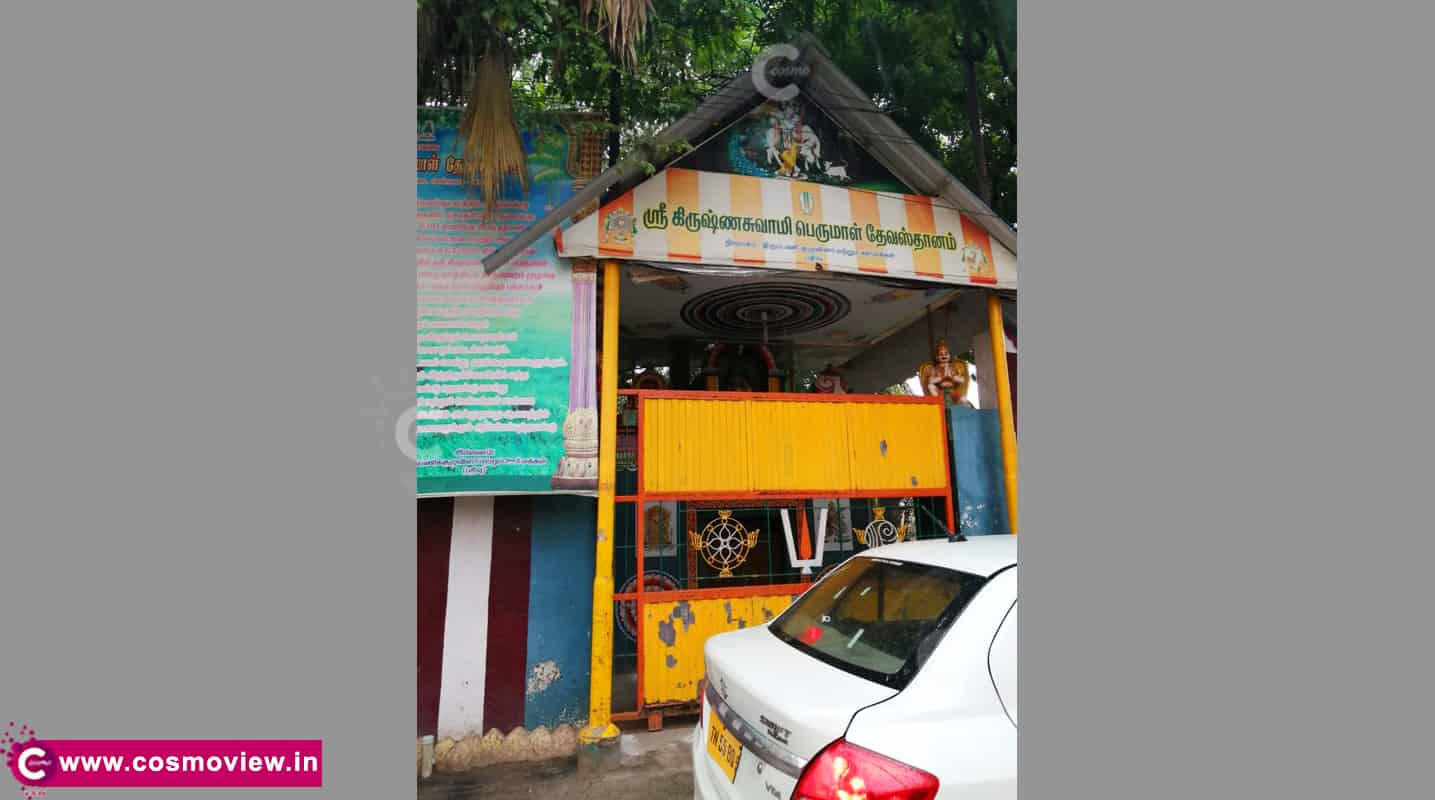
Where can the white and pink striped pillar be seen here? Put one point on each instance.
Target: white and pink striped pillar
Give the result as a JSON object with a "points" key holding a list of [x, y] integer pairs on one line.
{"points": [[578, 469]]}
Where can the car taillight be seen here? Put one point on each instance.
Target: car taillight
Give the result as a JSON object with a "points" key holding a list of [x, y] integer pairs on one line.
{"points": [[843, 770], [702, 698]]}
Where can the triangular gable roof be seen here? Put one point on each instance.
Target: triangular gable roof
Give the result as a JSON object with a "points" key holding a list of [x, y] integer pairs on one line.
{"points": [[830, 89], [794, 138]]}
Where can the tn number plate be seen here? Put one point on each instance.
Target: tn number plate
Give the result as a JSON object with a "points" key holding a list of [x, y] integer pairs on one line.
{"points": [[724, 748]]}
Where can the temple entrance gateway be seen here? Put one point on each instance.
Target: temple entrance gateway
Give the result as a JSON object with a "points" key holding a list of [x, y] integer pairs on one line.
{"points": [[746, 464], [759, 294], [746, 459]]}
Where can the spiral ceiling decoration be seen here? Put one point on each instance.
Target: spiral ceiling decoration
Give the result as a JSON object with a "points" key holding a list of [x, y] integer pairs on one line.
{"points": [[790, 308]]}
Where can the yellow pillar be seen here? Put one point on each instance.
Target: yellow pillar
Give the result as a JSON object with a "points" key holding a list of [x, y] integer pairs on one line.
{"points": [[1003, 383], [600, 689]]}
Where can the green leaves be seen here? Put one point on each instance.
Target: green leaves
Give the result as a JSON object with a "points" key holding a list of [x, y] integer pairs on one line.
{"points": [[906, 54]]}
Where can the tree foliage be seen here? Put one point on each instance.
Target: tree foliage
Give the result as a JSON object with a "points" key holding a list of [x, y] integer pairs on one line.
{"points": [[945, 70]]}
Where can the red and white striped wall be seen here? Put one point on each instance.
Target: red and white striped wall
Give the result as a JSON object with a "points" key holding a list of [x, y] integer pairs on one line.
{"points": [[504, 611]]}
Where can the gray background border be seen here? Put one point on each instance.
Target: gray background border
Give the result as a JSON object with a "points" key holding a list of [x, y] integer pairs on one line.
{"points": [[208, 325], [1225, 283], [203, 227]]}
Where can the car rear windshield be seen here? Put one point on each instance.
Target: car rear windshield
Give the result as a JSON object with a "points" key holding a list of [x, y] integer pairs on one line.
{"points": [[877, 618]]}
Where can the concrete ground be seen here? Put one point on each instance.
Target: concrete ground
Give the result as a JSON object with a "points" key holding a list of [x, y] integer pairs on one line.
{"points": [[654, 766]]}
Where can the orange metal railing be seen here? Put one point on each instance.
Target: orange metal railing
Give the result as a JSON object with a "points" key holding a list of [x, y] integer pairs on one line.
{"points": [[746, 446]]}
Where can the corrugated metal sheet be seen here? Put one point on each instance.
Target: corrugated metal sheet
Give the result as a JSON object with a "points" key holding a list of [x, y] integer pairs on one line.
{"points": [[674, 633], [752, 445]]}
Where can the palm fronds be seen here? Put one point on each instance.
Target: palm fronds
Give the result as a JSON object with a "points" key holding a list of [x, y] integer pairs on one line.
{"points": [[625, 21], [492, 145]]}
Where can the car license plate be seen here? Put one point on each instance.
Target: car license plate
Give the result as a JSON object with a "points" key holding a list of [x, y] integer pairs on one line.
{"points": [[724, 748]]}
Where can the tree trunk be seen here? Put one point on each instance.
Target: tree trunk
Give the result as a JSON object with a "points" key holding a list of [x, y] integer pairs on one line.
{"points": [[1007, 67], [969, 53], [615, 112], [1010, 70]]}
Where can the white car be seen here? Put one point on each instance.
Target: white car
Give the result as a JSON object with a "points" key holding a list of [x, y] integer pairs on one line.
{"points": [[894, 676]]}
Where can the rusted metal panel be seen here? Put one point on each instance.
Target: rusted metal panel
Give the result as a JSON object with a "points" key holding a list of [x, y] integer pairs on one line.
{"points": [[745, 445], [674, 633]]}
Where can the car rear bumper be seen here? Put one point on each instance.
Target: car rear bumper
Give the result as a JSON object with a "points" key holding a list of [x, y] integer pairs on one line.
{"points": [[757, 778], [705, 785]]}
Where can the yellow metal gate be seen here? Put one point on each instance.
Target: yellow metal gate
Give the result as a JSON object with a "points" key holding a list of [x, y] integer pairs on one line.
{"points": [[727, 466]]}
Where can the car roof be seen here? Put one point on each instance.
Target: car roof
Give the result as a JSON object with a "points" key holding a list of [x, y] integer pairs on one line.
{"points": [[977, 555]]}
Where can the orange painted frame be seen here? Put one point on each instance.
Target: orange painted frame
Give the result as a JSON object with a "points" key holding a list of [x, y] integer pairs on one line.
{"points": [[716, 594], [779, 397], [640, 501]]}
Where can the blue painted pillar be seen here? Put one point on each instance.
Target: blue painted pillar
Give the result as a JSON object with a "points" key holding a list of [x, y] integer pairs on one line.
{"points": [[977, 470], [560, 611]]}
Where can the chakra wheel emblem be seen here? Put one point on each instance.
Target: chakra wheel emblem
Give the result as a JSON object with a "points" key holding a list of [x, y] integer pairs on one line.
{"points": [[724, 543], [881, 530]]}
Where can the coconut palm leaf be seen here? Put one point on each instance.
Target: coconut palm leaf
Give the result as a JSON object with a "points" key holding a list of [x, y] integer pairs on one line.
{"points": [[625, 22], [492, 146]]}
